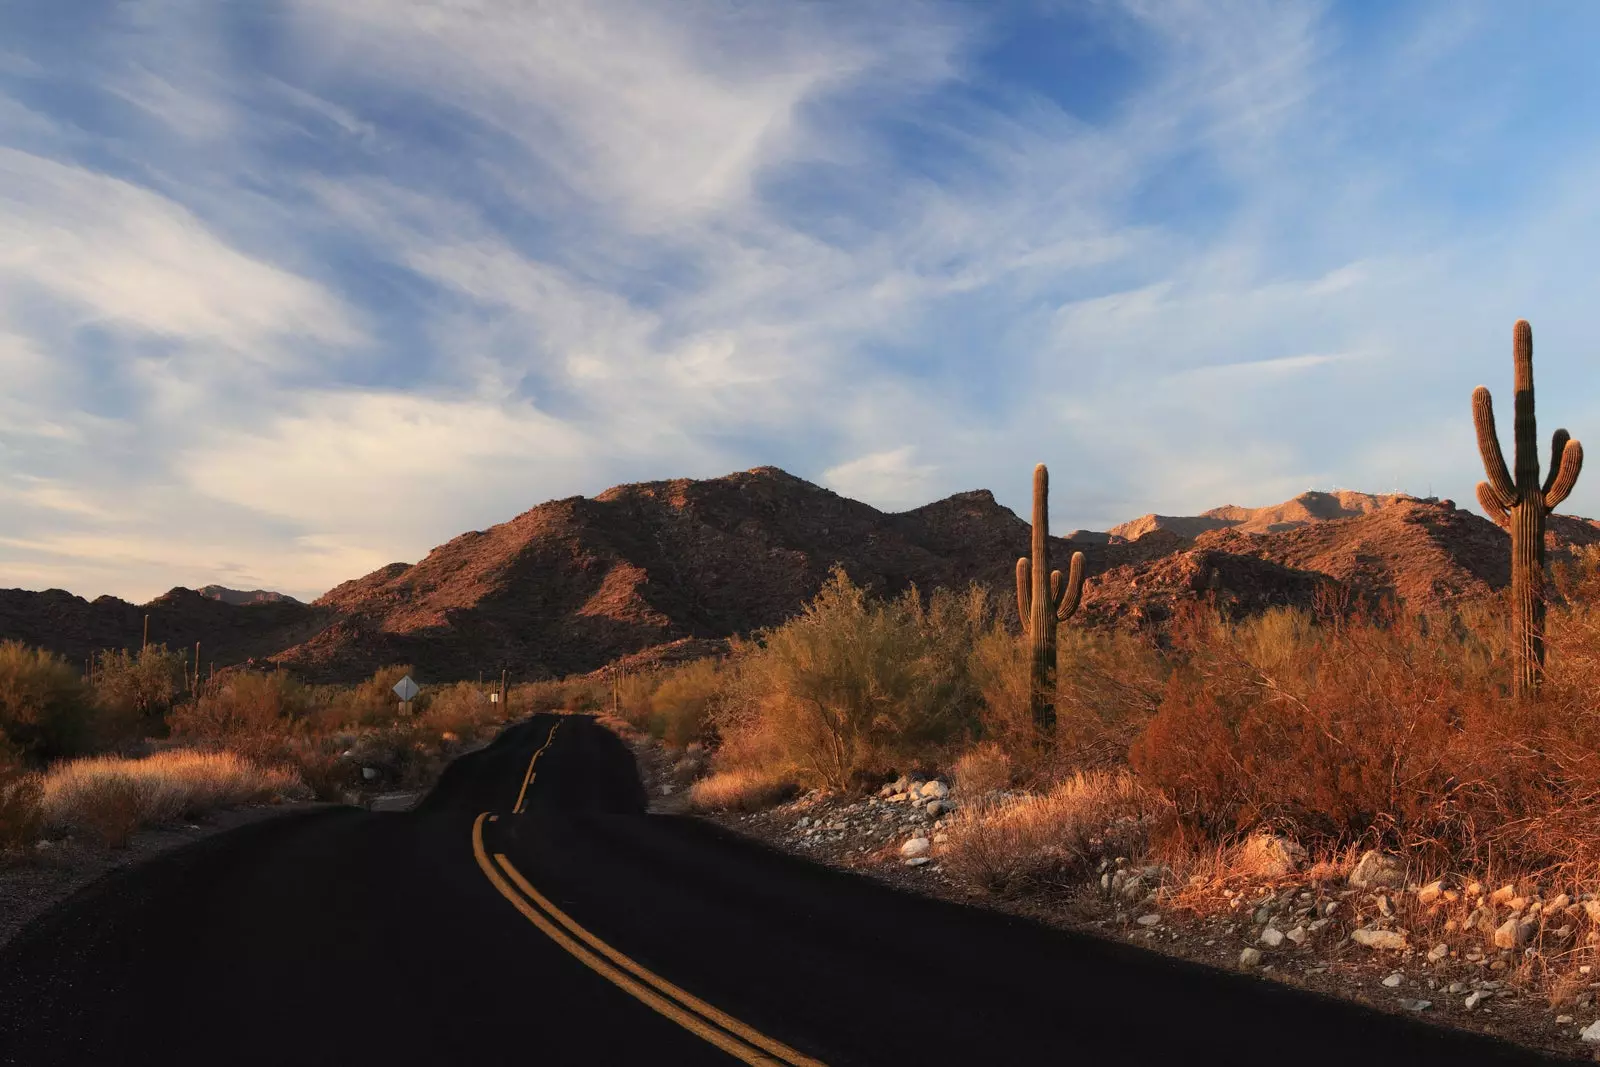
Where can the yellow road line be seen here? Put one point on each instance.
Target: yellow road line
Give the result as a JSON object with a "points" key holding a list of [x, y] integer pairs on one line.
{"points": [[727, 1022], [728, 1043], [528, 777]]}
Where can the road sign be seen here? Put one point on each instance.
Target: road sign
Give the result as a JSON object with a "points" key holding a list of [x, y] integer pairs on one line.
{"points": [[406, 689]]}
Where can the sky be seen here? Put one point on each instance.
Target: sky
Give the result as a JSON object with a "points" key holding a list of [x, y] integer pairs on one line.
{"points": [[293, 289]]}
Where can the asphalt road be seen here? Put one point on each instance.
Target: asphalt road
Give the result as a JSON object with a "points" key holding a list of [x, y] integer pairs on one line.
{"points": [[529, 912]]}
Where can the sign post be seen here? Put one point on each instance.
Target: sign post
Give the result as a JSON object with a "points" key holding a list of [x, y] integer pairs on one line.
{"points": [[407, 691]]}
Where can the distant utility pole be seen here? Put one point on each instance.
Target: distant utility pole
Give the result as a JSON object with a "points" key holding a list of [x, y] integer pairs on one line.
{"points": [[146, 633], [505, 708], [197, 670]]}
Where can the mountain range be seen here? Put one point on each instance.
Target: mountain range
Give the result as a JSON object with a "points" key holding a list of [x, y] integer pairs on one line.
{"points": [[658, 571]]}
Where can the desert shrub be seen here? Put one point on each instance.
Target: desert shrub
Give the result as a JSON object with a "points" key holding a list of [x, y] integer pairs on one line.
{"points": [[849, 685], [370, 703], [243, 705], [1388, 727], [134, 691], [21, 809], [463, 710], [983, 768], [742, 789], [46, 711], [682, 702], [1052, 837], [1108, 686], [112, 797]]}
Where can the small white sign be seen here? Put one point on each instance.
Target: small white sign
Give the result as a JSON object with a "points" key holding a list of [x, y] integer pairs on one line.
{"points": [[494, 698], [406, 689]]}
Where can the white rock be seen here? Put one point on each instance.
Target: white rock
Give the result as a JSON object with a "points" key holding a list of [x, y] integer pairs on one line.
{"points": [[1381, 939], [1148, 920], [1514, 932], [936, 790], [1272, 937], [1415, 1005], [1562, 1020], [1394, 980], [1592, 909], [1438, 952], [935, 808], [1249, 957], [369, 773], [917, 846], [916, 861], [1475, 998], [1376, 869], [1298, 935], [1430, 893]]}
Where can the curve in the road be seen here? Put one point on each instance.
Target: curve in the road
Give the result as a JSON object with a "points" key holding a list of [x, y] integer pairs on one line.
{"points": [[530, 911]]}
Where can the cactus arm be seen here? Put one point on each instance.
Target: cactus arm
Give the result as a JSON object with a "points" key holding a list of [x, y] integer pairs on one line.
{"points": [[1492, 507], [1558, 444], [1494, 462], [1073, 593], [1023, 582], [1566, 476], [1055, 589]]}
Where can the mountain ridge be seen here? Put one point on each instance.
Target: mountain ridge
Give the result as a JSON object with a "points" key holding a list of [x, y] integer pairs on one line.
{"points": [[657, 571]]}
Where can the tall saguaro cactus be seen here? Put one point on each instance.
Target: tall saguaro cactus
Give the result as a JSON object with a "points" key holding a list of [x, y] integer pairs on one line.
{"points": [[1519, 504], [1042, 602]]}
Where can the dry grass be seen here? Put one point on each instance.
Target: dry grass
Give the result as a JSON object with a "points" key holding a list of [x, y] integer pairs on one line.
{"points": [[111, 797], [982, 768], [1052, 837], [740, 790], [21, 813]]}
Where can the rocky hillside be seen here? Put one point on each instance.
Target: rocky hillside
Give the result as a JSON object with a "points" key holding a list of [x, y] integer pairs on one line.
{"points": [[228, 633], [1304, 509], [660, 571]]}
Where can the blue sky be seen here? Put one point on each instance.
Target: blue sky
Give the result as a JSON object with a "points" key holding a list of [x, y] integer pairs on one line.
{"points": [[291, 289]]}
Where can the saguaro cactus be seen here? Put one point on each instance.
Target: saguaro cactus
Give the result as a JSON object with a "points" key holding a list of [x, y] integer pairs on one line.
{"points": [[1520, 504], [1042, 602]]}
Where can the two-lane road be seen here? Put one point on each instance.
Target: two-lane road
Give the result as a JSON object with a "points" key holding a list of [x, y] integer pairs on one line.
{"points": [[531, 912]]}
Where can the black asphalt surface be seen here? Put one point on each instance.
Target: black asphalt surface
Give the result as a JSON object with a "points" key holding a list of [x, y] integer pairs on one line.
{"points": [[346, 937]]}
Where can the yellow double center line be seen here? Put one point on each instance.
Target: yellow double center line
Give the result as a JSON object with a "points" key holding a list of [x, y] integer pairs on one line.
{"points": [[527, 779], [738, 1039]]}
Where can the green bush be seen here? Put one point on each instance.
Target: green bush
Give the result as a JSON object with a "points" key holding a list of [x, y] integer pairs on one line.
{"points": [[135, 691], [46, 711], [854, 683], [683, 701]]}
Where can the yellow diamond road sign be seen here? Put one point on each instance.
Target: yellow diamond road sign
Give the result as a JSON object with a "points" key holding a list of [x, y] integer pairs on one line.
{"points": [[406, 689]]}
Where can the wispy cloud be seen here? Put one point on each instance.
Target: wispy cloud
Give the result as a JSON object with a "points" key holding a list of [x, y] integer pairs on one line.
{"points": [[288, 292]]}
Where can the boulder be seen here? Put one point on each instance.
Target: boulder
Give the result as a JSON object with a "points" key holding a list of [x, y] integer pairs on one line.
{"points": [[1250, 957], [1377, 870], [1430, 893], [917, 846], [935, 790], [1591, 1033], [1515, 932], [1392, 940], [1272, 937]]}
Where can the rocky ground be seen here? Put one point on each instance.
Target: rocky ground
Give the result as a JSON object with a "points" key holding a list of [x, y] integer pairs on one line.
{"points": [[1463, 955]]}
